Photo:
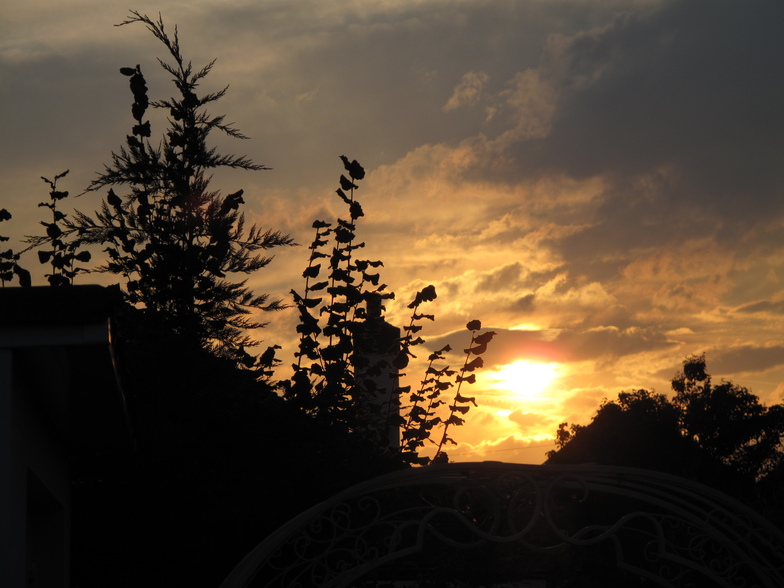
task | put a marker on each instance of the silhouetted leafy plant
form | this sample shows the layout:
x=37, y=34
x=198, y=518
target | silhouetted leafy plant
x=58, y=247
x=324, y=382
x=423, y=414
x=9, y=260
x=177, y=243
x=460, y=404
x=348, y=358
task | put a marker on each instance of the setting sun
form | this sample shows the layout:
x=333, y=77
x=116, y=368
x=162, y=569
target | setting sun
x=525, y=379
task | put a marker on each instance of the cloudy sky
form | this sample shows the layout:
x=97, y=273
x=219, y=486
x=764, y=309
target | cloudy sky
x=598, y=181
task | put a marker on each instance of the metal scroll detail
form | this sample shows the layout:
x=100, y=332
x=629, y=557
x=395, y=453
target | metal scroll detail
x=521, y=521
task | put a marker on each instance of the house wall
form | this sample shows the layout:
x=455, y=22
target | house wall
x=34, y=480
x=59, y=399
x=11, y=503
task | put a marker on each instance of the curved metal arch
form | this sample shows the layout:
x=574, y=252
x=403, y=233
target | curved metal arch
x=668, y=530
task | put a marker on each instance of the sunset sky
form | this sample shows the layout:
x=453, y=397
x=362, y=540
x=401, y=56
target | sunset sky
x=600, y=182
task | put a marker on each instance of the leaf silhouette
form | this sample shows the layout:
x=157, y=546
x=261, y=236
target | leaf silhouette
x=53, y=231
x=372, y=278
x=343, y=235
x=356, y=210
x=311, y=302
x=312, y=271
x=143, y=130
x=472, y=365
x=25, y=280
x=427, y=294
x=478, y=350
x=484, y=338
x=470, y=379
x=347, y=184
x=354, y=169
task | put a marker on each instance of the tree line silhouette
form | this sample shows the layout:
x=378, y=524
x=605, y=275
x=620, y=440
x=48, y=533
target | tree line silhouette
x=717, y=434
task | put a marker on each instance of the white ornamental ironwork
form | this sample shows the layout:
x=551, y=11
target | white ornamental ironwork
x=548, y=522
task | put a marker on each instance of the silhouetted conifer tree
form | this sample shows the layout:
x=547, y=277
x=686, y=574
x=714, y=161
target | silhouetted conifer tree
x=177, y=243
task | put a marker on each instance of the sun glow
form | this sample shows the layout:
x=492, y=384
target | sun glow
x=525, y=379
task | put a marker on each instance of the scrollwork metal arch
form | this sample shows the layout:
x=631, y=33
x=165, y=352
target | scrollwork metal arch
x=669, y=531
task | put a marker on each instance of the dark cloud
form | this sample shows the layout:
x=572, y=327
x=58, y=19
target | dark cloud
x=315, y=80
x=763, y=306
x=610, y=342
x=630, y=220
x=695, y=87
x=735, y=360
x=381, y=75
x=507, y=346
x=678, y=109
x=525, y=304
x=503, y=278
x=747, y=358
x=565, y=346
x=63, y=103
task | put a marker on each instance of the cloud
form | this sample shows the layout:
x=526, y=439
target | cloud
x=581, y=404
x=654, y=107
x=468, y=91
x=574, y=345
x=511, y=449
x=529, y=102
x=602, y=342
x=745, y=358
x=763, y=306
x=678, y=88
x=501, y=278
x=526, y=420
